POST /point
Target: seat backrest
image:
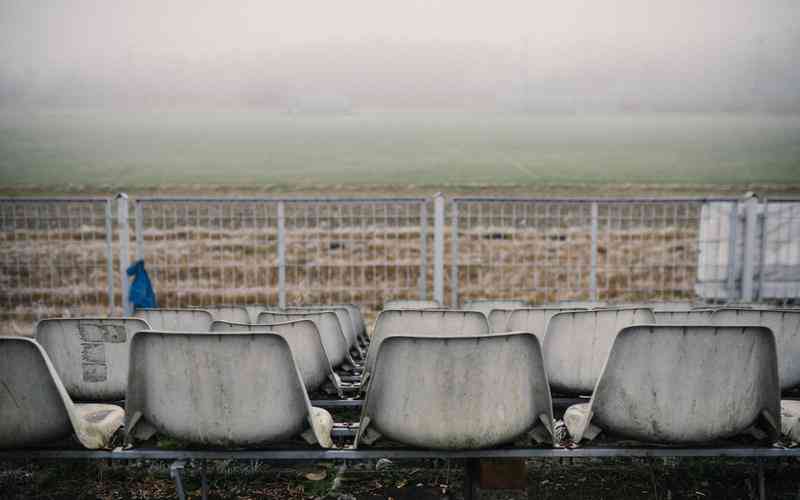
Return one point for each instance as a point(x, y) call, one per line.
point(176, 320)
point(670, 306)
point(687, 383)
point(577, 343)
point(346, 323)
point(304, 341)
point(533, 319)
point(683, 317)
point(90, 355)
point(234, 314)
point(215, 389)
point(32, 400)
point(254, 310)
point(487, 305)
point(330, 330)
point(424, 322)
point(411, 304)
point(580, 304)
point(457, 392)
point(785, 325)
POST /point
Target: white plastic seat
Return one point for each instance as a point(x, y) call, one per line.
point(684, 317)
point(90, 355)
point(176, 320)
point(411, 304)
point(424, 322)
point(345, 321)
point(684, 384)
point(229, 389)
point(581, 304)
point(234, 314)
point(457, 392)
point(35, 409)
point(577, 343)
point(530, 319)
point(487, 305)
point(785, 325)
point(306, 344)
point(330, 331)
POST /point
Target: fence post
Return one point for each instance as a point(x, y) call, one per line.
point(748, 255)
point(124, 259)
point(139, 229)
point(733, 230)
point(455, 256)
point(110, 255)
point(423, 250)
point(438, 248)
point(593, 272)
point(281, 243)
point(762, 262)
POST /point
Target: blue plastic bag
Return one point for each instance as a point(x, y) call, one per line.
point(141, 294)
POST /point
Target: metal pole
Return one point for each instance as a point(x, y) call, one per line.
point(733, 229)
point(762, 272)
point(438, 248)
point(748, 255)
point(454, 270)
point(124, 259)
point(593, 275)
point(139, 228)
point(281, 255)
point(423, 250)
point(110, 256)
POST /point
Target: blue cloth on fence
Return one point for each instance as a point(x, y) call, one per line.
point(141, 293)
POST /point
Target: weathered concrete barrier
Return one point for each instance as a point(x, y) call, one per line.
point(684, 384)
point(90, 355)
point(457, 392)
point(35, 409)
point(230, 389)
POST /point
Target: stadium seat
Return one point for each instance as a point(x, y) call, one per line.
point(487, 305)
point(234, 314)
point(230, 389)
point(530, 319)
point(684, 384)
point(424, 322)
point(306, 344)
point(90, 355)
point(411, 304)
point(35, 409)
point(330, 332)
point(683, 317)
point(581, 304)
point(345, 321)
point(785, 325)
point(176, 320)
point(577, 343)
point(457, 392)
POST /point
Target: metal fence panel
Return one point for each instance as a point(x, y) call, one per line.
point(56, 259)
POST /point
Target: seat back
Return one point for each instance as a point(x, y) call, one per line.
point(234, 314)
point(411, 304)
point(345, 321)
point(215, 389)
point(304, 341)
point(687, 383)
point(456, 392)
point(90, 355)
point(785, 325)
point(328, 326)
point(487, 305)
point(577, 343)
point(176, 320)
point(684, 317)
point(533, 319)
point(424, 322)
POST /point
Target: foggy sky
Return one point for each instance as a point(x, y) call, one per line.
point(675, 54)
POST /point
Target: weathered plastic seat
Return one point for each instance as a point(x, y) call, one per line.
point(90, 355)
point(229, 389)
point(35, 409)
point(346, 323)
point(581, 304)
point(785, 325)
point(487, 305)
point(306, 344)
point(577, 344)
point(531, 319)
point(330, 331)
point(234, 314)
point(176, 320)
point(684, 384)
point(685, 316)
point(411, 304)
point(666, 306)
point(254, 310)
point(424, 322)
point(457, 392)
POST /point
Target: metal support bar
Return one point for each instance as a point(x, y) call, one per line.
point(139, 229)
point(733, 229)
point(748, 254)
point(281, 244)
point(438, 248)
point(471, 490)
point(110, 256)
point(762, 263)
point(124, 258)
point(762, 488)
point(176, 473)
point(203, 481)
point(454, 253)
point(423, 250)
point(593, 275)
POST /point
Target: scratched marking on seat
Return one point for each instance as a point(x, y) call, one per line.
point(94, 337)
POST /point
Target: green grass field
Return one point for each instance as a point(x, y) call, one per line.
point(139, 150)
